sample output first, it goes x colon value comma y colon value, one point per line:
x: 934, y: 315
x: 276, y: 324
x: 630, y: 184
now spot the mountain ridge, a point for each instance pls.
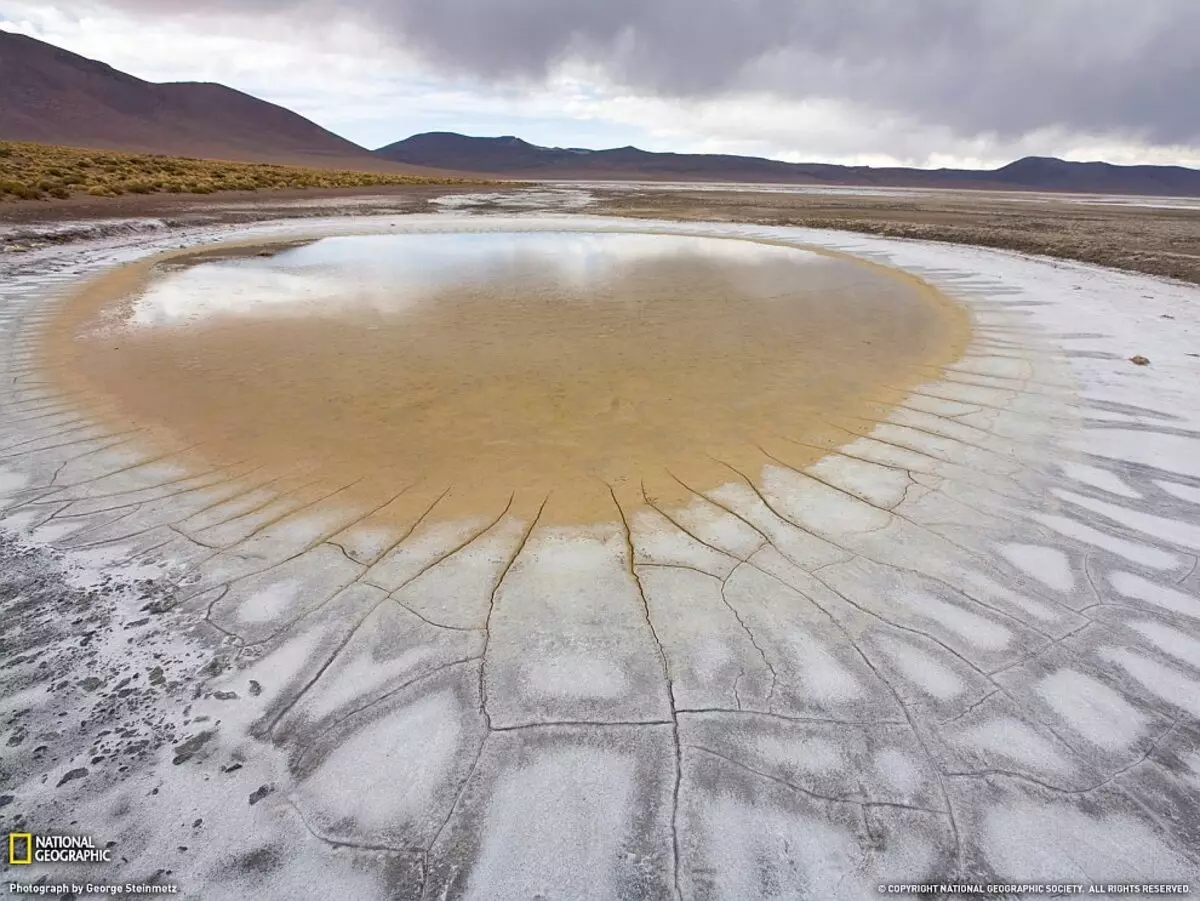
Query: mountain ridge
x: 511, y: 156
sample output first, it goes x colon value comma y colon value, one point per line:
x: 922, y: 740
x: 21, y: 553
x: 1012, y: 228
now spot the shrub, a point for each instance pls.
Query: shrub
x: 22, y: 191
x: 30, y: 171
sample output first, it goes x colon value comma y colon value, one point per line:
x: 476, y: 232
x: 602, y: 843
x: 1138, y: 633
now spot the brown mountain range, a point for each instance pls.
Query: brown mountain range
x: 511, y: 157
x: 50, y: 95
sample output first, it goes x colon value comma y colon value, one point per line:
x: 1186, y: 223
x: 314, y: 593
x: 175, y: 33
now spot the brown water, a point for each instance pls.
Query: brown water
x: 543, y: 363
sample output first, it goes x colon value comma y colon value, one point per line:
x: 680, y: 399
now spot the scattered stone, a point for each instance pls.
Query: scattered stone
x: 255, y: 688
x: 225, y: 695
x: 259, y: 793
x: 232, y: 768
x: 188, y: 749
x: 5, y: 800
x: 157, y: 677
x: 1139, y: 360
x: 72, y: 775
x: 198, y: 823
x: 91, y: 683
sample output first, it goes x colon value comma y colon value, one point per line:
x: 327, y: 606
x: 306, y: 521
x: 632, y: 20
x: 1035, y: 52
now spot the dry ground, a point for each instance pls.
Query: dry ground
x: 1155, y: 241
x: 1141, y: 239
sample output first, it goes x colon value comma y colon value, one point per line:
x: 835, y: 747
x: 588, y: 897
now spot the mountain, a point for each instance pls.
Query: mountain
x: 512, y: 157
x: 50, y: 95
x: 1104, y: 178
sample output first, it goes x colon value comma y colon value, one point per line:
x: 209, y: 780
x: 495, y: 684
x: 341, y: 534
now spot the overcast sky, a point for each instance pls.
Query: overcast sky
x: 914, y: 82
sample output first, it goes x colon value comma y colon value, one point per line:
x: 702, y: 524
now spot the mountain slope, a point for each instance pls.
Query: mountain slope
x: 53, y: 96
x: 513, y: 157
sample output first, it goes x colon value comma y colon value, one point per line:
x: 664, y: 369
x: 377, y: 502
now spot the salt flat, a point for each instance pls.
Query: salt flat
x: 960, y: 643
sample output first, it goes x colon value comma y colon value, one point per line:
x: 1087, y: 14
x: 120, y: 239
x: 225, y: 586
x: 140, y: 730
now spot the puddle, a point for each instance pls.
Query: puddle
x: 505, y: 366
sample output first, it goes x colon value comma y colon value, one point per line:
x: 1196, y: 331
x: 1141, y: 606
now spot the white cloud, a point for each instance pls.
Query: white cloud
x: 358, y: 85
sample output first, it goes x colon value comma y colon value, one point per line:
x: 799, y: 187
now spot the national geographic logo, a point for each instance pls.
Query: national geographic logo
x: 27, y: 848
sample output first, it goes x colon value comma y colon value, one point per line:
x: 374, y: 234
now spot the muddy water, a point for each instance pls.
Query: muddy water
x: 504, y: 366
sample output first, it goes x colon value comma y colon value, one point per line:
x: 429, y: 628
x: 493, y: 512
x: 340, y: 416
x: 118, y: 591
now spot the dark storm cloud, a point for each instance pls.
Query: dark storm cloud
x: 1010, y: 67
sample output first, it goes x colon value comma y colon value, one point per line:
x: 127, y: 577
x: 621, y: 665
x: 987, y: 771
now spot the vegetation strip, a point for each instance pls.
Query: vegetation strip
x: 48, y: 171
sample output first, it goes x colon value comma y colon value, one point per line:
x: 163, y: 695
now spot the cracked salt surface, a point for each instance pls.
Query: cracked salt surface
x: 958, y: 643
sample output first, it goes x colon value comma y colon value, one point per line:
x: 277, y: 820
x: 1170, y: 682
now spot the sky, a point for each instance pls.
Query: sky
x: 971, y: 83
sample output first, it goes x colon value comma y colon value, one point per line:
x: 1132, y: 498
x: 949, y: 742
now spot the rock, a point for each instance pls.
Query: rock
x: 255, y: 688
x: 187, y: 750
x: 225, y: 695
x: 259, y: 793
x: 1139, y: 360
x: 72, y: 775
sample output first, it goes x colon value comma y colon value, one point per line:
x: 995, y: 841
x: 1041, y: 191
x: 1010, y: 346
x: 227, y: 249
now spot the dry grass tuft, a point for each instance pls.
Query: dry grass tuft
x: 49, y: 171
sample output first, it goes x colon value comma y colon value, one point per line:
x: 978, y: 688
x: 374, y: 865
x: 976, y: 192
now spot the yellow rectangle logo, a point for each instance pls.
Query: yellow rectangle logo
x: 13, y: 839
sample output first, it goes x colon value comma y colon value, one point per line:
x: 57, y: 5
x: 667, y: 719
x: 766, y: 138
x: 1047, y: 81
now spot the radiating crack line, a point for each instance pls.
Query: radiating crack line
x: 682, y: 566
x: 417, y: 679
x: 980, y: 559
x: 688, y: 532
x: 487, y: 621
x: 787, y: 718
x: 420, y: 519
x: 815, y: 795
x: 750, y: 635
x: 345, y: 843
x: 666, y: 669
x: 1058, y: 789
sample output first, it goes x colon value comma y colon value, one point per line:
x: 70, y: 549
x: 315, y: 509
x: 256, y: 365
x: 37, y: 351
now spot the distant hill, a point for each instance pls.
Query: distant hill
x: 53, y: 96
x: 512, y: 157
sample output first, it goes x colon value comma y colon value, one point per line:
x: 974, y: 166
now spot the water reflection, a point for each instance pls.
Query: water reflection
x: 388, y: 274
x: 492, y: 363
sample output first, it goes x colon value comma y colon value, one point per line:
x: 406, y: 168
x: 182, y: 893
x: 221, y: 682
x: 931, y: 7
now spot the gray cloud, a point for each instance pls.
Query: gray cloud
x: 1002, y: 67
